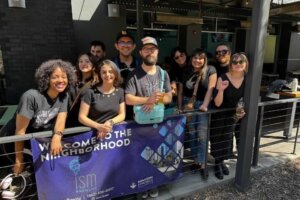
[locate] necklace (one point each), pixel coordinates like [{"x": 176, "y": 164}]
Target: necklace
[{"x": 109, "y": 93}]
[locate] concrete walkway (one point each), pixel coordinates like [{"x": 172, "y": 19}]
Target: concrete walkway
[{"x": 274, "y": 149}]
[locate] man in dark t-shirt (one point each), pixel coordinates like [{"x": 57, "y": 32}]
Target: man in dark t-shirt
[
  {"x": 222, "y": 56},
  {"x": 125, "y": 60}
]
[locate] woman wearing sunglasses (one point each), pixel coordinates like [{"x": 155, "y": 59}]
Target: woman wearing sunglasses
[
  {"x": 229, "y": 90},
  {"x": 179, "y": 63}
]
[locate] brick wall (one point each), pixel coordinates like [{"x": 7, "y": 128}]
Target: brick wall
[{"x": 41, "y": 31}]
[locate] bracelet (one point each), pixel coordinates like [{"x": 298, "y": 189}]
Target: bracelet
[{"x": 60, "y": 133}]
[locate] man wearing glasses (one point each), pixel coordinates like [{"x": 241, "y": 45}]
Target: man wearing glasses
[
  {"x": 125, "y": 60},
  {"x": 143, "y": 85},
  {"x": 222, "y": 56}
]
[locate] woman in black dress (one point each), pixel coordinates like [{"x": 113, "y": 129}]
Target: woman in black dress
[{"x": 229, "y": 90}]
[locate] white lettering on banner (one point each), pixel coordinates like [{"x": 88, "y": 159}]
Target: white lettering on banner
[
  {"x": 44, "y": 146},
  {"x": 85, "y": 183},
  {"x": 122, "y": 139},
  {"x": 145, "y": 182}
]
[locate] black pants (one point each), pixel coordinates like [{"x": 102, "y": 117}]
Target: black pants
[{"x": 221, "y": 135}]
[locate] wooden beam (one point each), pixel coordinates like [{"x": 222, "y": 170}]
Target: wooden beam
[{"x": 292, "y": 8}]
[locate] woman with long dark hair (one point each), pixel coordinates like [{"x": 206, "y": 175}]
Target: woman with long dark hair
[
  {"x": 86, "y": 78},
  {"x": 178, "y": 66},
  {"x": 199, "y": 82}
]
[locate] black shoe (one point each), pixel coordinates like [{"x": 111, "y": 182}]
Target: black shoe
[
  {"x": 219, "y": 171},
  {"x": 233, "y": 156},
  {"x": 225, "y": 169},
  {"x": 204, "y": 173}
]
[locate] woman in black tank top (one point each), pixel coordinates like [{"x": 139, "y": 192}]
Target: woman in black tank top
[{"x": 229, "y": 90}]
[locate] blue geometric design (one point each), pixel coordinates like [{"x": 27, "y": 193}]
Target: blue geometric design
[
  {"x": 163, "y": 131},
  {"x": 169, "y": 122},
  {"x": 179, "y": 130},
  {"x": 170, "y": 139},
  {"x": 162, "y": 150}
]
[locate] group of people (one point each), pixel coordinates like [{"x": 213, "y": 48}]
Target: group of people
[
  {"x": 101, "y": 93},
  {"x": 201, "y": 85}
]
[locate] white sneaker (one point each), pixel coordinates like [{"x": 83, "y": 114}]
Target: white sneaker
[
  {"x": 144, "y": 195},
  {"x": 153, "y": 193}
]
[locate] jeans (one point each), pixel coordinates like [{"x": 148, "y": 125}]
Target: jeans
[{"x": 197, "y": 129}]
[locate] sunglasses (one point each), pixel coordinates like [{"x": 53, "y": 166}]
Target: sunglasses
[
  {"x": 222, "y": 52},
  {"x": 180, "y": 56},
  {"x": 234, "y": 62}
]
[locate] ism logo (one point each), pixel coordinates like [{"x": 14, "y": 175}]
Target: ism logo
[{"x": 83, "y": 183}]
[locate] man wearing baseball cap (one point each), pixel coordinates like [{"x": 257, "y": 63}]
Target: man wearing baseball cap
[
  {"x": 125, "y": 60},
  {"x": 143, "y": 85}
]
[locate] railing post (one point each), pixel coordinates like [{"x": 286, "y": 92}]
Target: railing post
[
  {"x": 296, "y": 136},
  {"x": 259, "y": 123},
  {"x": 260, "y": 15},
  {"x": 288, "y": 132}
]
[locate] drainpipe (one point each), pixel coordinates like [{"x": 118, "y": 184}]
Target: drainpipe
[{"x": 260, "y": 15}]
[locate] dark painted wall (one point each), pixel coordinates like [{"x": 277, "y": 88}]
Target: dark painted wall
[
  {"x": 29, "y": 36},
  {"x": 100, "y": 27}
]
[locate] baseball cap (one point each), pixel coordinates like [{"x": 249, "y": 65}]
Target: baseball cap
[
  {"x": 124, "y": 34},
  {"x": 149, "y": 40}
]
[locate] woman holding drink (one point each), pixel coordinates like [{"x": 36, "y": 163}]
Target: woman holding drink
[{"x": 229, "y": 93}]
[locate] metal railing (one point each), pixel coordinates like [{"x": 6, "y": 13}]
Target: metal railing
[{"x": 266, "y": 121}]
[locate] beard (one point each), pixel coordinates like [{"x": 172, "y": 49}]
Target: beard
[{"x": 149, "y": 60}]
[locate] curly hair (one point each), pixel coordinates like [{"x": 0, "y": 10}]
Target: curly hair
[
  {"x": 43, "y": 73},
  {"x": 118, "y": 79}
]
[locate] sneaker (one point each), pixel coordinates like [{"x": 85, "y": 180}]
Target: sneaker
[
  {"x": 153, "y": 193},
  {"x": 144, "y": 195}
]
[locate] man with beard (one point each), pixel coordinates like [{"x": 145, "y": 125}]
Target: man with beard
[
  {"x": 125, "y": 60},
  {"x": 97, "y": 49},
  {"x": 143, "y": 85},
  {"x": 223, "y": 54}
]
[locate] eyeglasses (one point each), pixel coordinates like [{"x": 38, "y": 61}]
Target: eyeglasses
[
  {"x": 149, "y": 50},
  {"x": 234, "y": 62},
  {"x": 125, "y": 44},
  {"x": 222, "y": 52},
  {"x": 180, "y": 56}
]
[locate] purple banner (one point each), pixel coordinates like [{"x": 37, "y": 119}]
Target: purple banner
[{"x": 131, "y": 159}]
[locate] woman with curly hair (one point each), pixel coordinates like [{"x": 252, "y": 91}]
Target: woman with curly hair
[
  {"x": 103, "y": 105},
  {"x": 42, "y": 109},
  {"x": 86, "y": 78}
]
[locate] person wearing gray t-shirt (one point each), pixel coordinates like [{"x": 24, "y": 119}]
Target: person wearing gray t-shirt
[{"x": 143, "y": 85}]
